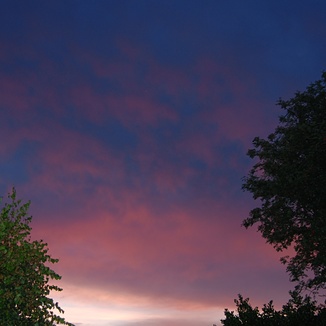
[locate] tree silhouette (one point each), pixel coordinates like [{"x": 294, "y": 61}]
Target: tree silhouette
[
  {"x": 299, "y": 311},
  {"x": 289, "y": 180}
]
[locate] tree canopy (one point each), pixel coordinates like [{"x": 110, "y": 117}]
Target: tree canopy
[
  {"x": 25, "y": 271},
  {"x": 289, "y": 179},
  {"x": 299, "y": 311}
]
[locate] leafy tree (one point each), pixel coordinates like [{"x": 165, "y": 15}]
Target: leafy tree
[
  {"x": 299, "y": 311},
  {"x": 24, "y": 271},
  {"x": 289, "y": 178}
]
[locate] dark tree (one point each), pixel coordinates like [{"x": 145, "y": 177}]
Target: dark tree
[
  {"x": 299, "y": 311},
  {"x": 25, "y": 272},
  {"x": 289, "y": 179}
]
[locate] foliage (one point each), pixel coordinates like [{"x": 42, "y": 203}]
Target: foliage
[
  {"x": 24, "y": 271},
  {"x": 289, "y": 179},
  {"x": 299, "y": 311}
]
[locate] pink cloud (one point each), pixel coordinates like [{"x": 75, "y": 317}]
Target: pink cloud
[
  {"x": 240, "y": 119},
  {"x": 165, "y": 256},
  {"x": 103, "y": 222}
]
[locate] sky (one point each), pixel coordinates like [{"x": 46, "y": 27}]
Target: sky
[{"x": 126, "y": 123}]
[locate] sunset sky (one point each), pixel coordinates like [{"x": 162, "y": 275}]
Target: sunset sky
[{"x": 127, "y": 123}]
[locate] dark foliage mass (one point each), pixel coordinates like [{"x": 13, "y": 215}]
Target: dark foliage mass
[
  {"x": 25, "y": 272},
  {"x": 299, "y": 311},
  {"x": 289, "y": 179}
]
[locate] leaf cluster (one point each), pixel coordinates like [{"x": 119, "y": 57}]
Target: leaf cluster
[{"x": 25, "y": 271}]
